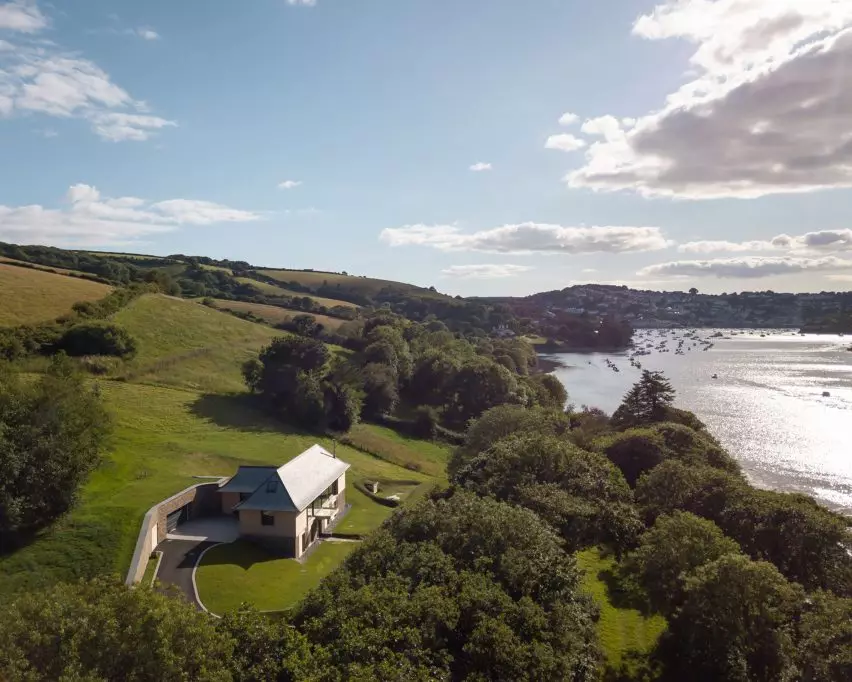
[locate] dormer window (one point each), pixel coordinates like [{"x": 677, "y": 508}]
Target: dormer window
[{"x": 270, "y": 485}]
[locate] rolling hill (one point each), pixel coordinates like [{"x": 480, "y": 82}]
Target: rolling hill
[
  {"x": 33, "y": 295},
  {"x": 275, "y": 315},
  {"x": 366, "y": 286},
  {"x": 272, "y": 290}
]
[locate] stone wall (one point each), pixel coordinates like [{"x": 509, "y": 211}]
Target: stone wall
[{"x": 203, "y": 500}]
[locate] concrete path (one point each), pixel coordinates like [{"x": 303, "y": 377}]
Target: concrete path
[
  {"x": 178, "y": 565},
  {"x": 215, "y": 529}
]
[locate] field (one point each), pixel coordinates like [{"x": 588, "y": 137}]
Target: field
[
  {"x": 31, "y": 296},
  {"x": 275, "y": 315},
  {"x": 163, "y": 437},
  {"x": 363, "y": 285},
  {"x": 242, "y": 572},
  {"x": 622, "y": 631},
  {"x": 420, "y": 455},
  {"x": 186, "y": 344},
  {"x": 272, "y": 290}
]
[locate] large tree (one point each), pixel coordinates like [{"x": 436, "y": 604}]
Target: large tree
[
  {"x": 51, "y": 433},
  {"x": 647, "y": 402}
]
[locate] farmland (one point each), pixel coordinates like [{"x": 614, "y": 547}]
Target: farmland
[{"x": 275, "y": 315}]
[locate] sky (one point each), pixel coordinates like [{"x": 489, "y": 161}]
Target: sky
[{"x": 484, "y": 147}]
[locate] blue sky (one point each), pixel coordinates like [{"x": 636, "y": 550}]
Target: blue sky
[{"x": 483, "y": 147}]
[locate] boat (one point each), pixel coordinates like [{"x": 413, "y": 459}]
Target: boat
[
  {"x": 826, "y": 394},
  {"x": 715, "y": 376}
]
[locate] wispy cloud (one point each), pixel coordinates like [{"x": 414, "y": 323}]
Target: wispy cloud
[
  {"x": 564, "y": 142},
  {"x": 810, "y": 242},
  {"x": 529, "y": 238},
  {"x": 481, "y": 166},
  {"x": 37, "y": 77},
  {"x": 487, "y": 271},
  {"x": 747, "y": 267},
  {"x": 147, "y": 34},
  {"x": 87, "y": 218},
  {"x": 302, "y": 3},
  {"x": 289, "y": 184}
]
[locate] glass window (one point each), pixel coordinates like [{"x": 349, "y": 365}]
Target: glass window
[
  {"x": 267, "y": 519},
  {"x": 270, "y": 485}
]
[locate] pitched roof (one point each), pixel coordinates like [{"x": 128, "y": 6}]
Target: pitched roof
[
  {"x": 247, "y": 479},
  {"x": 295, "y": 485}
]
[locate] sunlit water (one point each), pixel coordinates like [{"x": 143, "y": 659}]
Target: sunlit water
[{"x": 766, "y": 406}]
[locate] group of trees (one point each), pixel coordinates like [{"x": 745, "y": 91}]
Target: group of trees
[{"x": 51, "y": 433}]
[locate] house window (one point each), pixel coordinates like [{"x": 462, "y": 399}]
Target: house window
[
  {"x": 270, "y": 486},
  {"x": 334, "y": 489},
  {"x": 267, "y": 519}
]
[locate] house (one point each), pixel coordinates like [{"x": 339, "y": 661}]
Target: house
[{"x": 286, "y": 508}]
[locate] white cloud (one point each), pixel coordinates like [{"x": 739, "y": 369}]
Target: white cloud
[
  {"x": 289, "y": 184},
  {"x": 529, "y": 238},
  {"x": 302, "y": 3},
  {"x": 147, "y": 34},
  {"x": 811, "y": 242},
  {"x": 481, "y": 166},
  {"x": 37, "y": 77},
  {"x": 589, "y": 270},
  {"x": 88, "y": 219},
  {"x": 564, "y": 142},
  {"x": 767, "y": 111},
  {"x": 490, "y": 271},
  {"x": 23, "y": 16},
  {"x": 568, "y": 119},
  {"x": 746, "y": 267}
]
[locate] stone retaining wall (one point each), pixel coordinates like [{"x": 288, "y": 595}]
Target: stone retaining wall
[{"x": 203, "y": 500}]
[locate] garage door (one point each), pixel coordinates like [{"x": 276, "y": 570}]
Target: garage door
[{"x": 176, "y": 518}]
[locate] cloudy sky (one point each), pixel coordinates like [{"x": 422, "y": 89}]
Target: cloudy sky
[{"x": 483, "y": 147}]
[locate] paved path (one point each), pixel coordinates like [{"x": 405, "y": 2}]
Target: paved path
[{"x": 178, "y": 565}]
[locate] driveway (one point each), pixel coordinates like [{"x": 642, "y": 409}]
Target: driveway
[
  {"x": 213, "y": 529},
  {"x": 178, "y": 564}
]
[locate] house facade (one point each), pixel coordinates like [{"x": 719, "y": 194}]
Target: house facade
[{"x": 286, "y": 508}]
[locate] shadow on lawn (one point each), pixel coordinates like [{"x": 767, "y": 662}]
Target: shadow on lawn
[
  {"x": 241, "y": 553},
  {"x": 241, "y": 411}
]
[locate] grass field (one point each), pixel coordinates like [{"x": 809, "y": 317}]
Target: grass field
[
  {"x": 364, "y": 285},
  {"x": 622, "y": 631},
  {"x": 274, "y": 314},
  {"x": 162, "y": 438},
  {"x": 420, "y": 455},
  {"x": 186, "y": 344},
  {"x": 272, "y": 290},
  {"x": 36, "y": 296},
  {"x": 243, "y": 572}
]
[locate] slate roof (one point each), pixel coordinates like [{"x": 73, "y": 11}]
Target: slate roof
[
  {"x": 295, "y": 485},
  {"x": 247, "y": 479}
]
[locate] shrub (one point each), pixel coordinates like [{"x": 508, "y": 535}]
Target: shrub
[{"x": 98, "y": 338}]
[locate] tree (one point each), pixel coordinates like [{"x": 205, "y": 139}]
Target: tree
[
  {"x": 426, "y": 422},
  {"x": 479, "y": 385},
  {"x": 550, "y": 392},
  {"x": 671, "y": 551},
  {"x": 646, "y": 402},
  {"x": 306, "y": 325},
  {"x": 693, "y": 291},
  {"x": 252, "y": 371},
  {"x": 381, "y": 395},
  {"x": 736, "y": 624},
  {"x": 342, "y": 406},
  {"x": 634, "y": 452},
  {"x": 98, "y": 338},
  {"x": 824, "y": 646},
  {"x": 164, "y": 282},
  {"x": 51, "y": 434},
  {"x": 104, "y": 631}
]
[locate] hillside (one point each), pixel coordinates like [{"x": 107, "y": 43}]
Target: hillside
[
  {"x": 366, "y": 286},
  {"x": 273, "y": 290},
  {"x": 183, "y": 343},
  {"x": 275, "y": 315},
  {"x": 31, "y": 295}
]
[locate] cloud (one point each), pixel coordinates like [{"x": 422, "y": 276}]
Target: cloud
[
  {"x": 589, "y": 270},
  {"x": 767, "y": 110},
  {"x": 147, "y": 34},
  {"x": 289, "y": 184},
  {"x": 481, "y": 166},
  {"x": 811, "y": 242},
  {"x": 568, "y": 119},
  {"x": 564, "y": 142},
  {"x": 747, "y": 267},
  {"x": 88, "y": 219},
  {"x": 529, "y": 238},
  {"x": 37, "y": 77},
  {"x": 23, "y": 16},
  {"x": 302, "y": 3},
  {"x": 491, "y": 271}
]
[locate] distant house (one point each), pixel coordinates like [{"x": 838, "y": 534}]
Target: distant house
[
  {"x": 286, "y": 508},
  {"x": 503, "y": 332}
]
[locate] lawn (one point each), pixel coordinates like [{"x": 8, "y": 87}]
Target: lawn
[
  {"x": 163, "y": 437},
  {"x": 621, "y": 630},
  {"x": 183, "y": 343},
  {"x": 411, "y": 453},
  {"x": 243, "y": 572},
  {"x": 275, "y": 315},
  {"x": 37, "y": 296}
]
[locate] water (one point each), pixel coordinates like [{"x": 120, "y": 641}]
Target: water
[{"x": 766, "y": 406}]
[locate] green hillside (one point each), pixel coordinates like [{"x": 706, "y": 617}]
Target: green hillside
[
  {"x": 183, "y": 343},
  {"x": 272, "y": 290},
  {"x": 30, "y": 295},
  {"x": 367, "y": 286},
  {"x": 275, "y": 315}
]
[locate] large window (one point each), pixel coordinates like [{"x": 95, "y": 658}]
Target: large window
[{"x": 267, "y": 518}]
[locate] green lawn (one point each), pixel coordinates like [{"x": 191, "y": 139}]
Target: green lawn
[
  {"x": 621, "y": 630},
  {"x": 183, "y": 343},
  {"x": 421, "y": 455},
  {"x": 243, "y": 572},
  {"x": 150, "y": 568},
  {"x": 162, "y": 438}
]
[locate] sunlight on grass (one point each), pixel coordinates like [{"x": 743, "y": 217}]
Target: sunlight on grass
[
  {"x": 419, "y": 455},
  {"x": 243, "y": 572}
]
